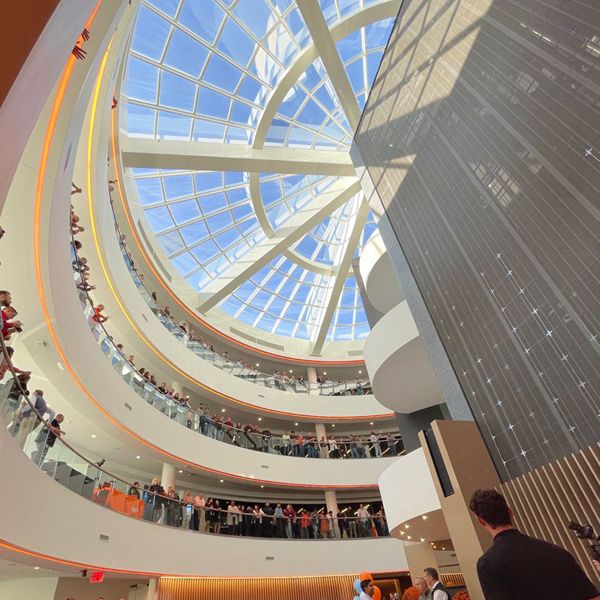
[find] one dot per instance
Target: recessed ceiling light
(181, 470)
(222, 410)
(94, 435)
(409, 537)
(422, 539)
(324, 372)
(257, 365)
(291, 370)
(360, 372)
(371, 423)
(443, 548)
(406, 526)
(424, 517)
(295, 424)
(138, 457)
(222, 480)
(260, 418)
(262, 486)
(36, 568)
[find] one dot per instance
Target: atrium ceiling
(237, 120)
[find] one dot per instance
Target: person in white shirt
(438, 592)
(363, 521)
(374, 439)
(367, 589)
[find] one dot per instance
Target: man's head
(367, 586)
(59, 418)
(38, 393)
(491, 510)
(5, 298)
(421, 585)
(430, 576)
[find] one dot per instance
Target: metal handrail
(266, 440)
(158, 499)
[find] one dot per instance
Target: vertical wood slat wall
(546, 499)
(335, 587)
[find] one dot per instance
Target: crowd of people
(268, 519)
(223, 428)
(280, 379)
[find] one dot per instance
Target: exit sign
(96, 576)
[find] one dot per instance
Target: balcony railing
(248, 436)
(40, 436)
(279, 380)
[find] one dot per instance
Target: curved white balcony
(394, 347)
(381, 282)
(139, 328)
(87, 534)
(411, 502)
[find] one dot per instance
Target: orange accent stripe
(184, 306)
(71, 563)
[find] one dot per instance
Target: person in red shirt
(98, 317)
(9, 324)
(304, 525)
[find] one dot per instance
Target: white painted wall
(381, 283)
(31, 501)
(398, 366)
(37, 588)
(407, 490)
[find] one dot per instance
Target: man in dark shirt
(517, 566)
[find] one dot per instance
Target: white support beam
(299, 224)
(343, 270)
(384, 9)
(205, 156)
(323, 40)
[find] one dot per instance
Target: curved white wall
(381, 282)
(407, 490)
(400, 371)
(42, 516)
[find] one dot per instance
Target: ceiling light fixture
(138, 457)
(222, 410)
(371, 423)
(260, 418)
(181, 470)
(222, 480)
(295, 424)
(94, 435)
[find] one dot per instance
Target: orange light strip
(183, 305)
(71, 563)
(50, 131)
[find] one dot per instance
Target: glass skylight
(205, 71)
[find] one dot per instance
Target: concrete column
(311, 376)
(331, 504)
(457, 458)
(167, 479)
(320, 431)
(419, 556)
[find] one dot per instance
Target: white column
(320, 431)
(311, 375)
(167, 479)
(331, 504)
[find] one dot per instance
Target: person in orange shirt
(324, 526)
(304, 525)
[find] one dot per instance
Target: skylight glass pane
(205, 72)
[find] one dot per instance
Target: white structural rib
(343, 270)
(299, 224)
(317, 26)
(206, 156)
